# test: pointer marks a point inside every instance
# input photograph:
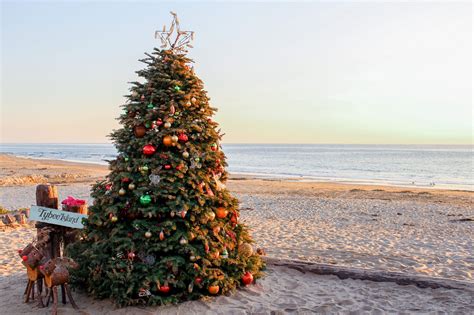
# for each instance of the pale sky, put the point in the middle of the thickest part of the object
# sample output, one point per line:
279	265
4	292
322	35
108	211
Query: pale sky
319	72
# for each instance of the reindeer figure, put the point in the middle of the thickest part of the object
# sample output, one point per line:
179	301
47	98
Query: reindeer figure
56	274
32	256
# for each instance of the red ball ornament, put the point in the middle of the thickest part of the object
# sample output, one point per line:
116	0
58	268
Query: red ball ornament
148	149
198	280
24	258
164	289
125	180
159	122
182	137
20	251
108	186
247	278
131	255
167	167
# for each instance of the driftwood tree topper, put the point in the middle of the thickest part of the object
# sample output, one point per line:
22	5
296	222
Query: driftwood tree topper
174	38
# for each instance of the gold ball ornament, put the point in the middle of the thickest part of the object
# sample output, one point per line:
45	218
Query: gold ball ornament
211	215
113	219
174	139
167	124
147	234
245	250
131	186
122	192
185	154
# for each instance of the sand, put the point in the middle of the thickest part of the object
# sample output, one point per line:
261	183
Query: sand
283	290
24	171
414	231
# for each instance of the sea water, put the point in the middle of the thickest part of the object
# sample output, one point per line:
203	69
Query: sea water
437	166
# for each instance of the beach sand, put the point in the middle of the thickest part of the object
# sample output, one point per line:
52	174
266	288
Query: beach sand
414	231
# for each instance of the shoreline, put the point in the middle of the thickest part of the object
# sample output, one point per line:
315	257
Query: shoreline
101	168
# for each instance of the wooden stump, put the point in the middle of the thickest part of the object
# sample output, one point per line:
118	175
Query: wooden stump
70	235
47	196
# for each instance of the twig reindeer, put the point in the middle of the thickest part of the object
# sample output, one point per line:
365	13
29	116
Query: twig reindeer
32	255
56	274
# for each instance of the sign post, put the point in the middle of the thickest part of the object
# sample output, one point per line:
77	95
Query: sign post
57	217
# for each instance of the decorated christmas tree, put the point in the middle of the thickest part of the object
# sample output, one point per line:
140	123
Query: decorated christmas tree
163	227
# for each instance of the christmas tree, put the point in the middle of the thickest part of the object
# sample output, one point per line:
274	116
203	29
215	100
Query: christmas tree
163	227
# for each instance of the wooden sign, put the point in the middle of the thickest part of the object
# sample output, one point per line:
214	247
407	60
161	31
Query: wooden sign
57	217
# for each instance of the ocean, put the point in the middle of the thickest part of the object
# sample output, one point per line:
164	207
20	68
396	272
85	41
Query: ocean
437	166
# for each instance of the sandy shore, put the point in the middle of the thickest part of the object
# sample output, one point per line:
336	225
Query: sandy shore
283	290
415	231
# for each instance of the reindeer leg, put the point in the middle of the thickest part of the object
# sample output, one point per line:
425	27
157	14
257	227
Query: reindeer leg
40	286
28	290
69	295
63	292
33	290
55	301
48	296
40	290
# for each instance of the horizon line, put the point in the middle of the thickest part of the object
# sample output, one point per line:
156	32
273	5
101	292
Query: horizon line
258	143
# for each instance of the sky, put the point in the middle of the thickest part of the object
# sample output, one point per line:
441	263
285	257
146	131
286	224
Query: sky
309	72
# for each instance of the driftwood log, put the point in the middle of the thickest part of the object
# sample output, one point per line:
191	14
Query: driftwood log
371	275
9	219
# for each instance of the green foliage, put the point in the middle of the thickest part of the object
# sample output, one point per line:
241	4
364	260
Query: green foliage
177	240
4	210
